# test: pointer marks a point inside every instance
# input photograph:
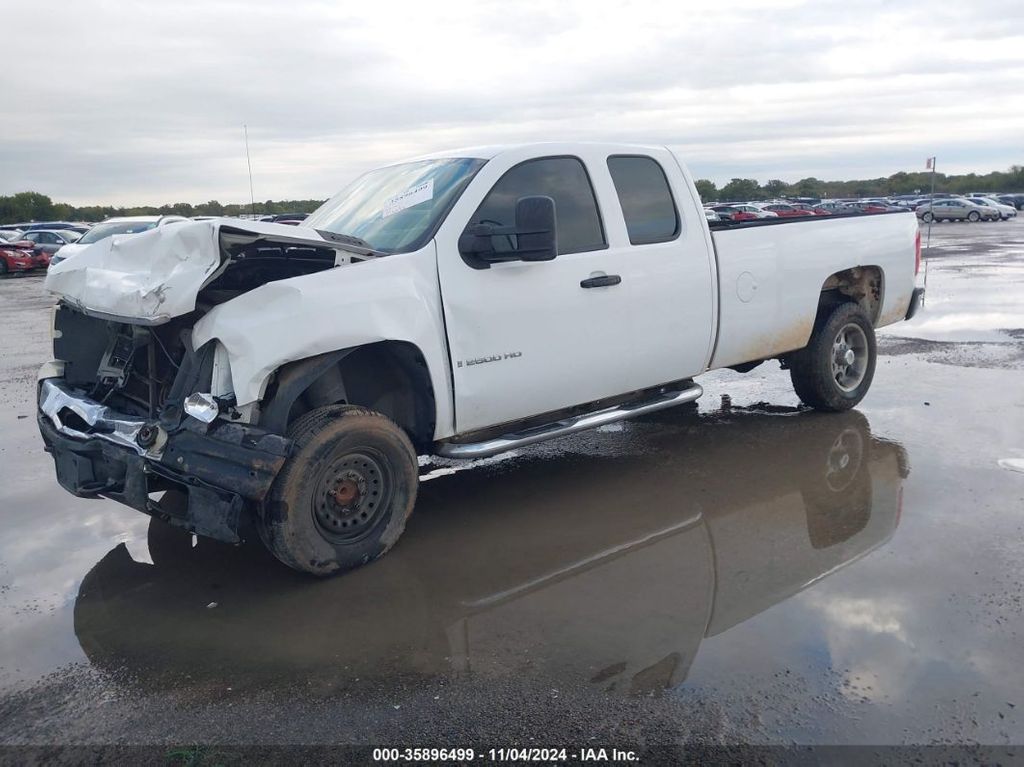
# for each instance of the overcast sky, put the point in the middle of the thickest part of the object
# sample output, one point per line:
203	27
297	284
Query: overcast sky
144	103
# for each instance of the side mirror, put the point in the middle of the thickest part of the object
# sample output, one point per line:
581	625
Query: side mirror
532	238
535	227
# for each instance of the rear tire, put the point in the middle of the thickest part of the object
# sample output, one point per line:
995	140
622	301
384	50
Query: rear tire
342	499
834	371
973	216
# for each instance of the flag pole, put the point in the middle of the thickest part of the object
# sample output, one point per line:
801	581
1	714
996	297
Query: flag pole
931	202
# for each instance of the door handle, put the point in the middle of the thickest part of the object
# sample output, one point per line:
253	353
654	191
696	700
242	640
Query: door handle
604	281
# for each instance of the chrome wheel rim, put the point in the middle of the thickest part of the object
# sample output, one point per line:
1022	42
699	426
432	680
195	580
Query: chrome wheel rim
849	357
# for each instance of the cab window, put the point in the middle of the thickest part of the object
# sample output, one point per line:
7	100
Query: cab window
565	180
646	199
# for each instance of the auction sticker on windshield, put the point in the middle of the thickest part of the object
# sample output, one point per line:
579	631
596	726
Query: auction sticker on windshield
407	199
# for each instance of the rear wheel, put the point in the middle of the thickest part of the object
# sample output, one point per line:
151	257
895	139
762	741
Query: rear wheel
344	496
834	371
973	215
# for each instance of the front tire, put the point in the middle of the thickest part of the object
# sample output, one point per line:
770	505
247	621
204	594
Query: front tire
834	371
973	216
928	218
343	497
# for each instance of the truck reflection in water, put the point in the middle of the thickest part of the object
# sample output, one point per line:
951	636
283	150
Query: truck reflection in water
601	569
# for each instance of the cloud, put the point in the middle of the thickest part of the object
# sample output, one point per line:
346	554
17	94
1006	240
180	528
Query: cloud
146	103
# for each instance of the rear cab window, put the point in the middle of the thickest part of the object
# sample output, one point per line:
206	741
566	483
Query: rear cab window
645	198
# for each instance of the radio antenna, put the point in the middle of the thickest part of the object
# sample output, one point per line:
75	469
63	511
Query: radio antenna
248	161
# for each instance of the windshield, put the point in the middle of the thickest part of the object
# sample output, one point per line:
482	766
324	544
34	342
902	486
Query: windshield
103	231
396	209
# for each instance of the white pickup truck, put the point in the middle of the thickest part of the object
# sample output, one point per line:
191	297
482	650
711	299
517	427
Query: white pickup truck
235	378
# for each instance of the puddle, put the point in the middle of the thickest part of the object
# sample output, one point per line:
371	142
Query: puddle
610	571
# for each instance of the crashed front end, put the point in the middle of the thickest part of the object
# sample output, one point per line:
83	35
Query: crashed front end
129	409
121	424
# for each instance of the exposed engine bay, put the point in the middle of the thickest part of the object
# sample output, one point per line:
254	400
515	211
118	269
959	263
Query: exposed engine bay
132	367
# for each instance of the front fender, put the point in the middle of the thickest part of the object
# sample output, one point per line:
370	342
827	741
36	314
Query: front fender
391	298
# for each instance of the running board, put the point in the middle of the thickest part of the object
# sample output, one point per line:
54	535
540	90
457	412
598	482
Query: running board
568	425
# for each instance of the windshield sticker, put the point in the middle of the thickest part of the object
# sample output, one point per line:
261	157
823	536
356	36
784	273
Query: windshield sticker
414	196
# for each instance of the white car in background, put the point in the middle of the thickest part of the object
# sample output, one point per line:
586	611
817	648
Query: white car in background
1006	212
750	208
111	227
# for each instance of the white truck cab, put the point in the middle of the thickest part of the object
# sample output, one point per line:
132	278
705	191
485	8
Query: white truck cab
285	378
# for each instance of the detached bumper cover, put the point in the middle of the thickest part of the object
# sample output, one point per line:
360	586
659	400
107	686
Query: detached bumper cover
220	468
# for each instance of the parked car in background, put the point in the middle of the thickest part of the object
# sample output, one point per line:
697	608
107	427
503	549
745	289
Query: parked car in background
11	235
814	210
868	207
30	226
51	240
711	215
112	226
289	218
733	213
21	256
1006	212
885	205
836	206
757	212
913	203
1016	200
783	209
956	210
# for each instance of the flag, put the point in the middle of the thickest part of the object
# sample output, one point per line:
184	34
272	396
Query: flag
929	164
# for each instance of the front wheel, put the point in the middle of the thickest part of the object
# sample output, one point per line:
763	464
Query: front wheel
973	216
928	218
343	497
834	371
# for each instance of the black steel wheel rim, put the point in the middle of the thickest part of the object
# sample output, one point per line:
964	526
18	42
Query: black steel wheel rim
351	495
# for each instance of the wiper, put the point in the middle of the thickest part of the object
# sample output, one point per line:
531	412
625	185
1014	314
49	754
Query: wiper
360	246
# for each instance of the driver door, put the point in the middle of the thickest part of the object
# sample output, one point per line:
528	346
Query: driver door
530	338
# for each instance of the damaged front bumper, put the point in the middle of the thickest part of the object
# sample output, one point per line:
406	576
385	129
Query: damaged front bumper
221	468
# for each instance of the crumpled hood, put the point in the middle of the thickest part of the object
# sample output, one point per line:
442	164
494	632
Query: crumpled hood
155	275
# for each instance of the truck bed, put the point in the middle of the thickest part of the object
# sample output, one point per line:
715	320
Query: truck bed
771	272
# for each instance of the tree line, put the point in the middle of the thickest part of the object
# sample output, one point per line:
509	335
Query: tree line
33	206
738	189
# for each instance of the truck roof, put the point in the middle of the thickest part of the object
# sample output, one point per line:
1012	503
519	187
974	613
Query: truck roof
487	152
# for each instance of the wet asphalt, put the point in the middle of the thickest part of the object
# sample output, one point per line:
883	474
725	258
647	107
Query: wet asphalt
743	572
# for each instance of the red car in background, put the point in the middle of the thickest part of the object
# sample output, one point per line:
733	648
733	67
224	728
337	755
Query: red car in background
733	214
784	209
871	207
22	256
812	209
